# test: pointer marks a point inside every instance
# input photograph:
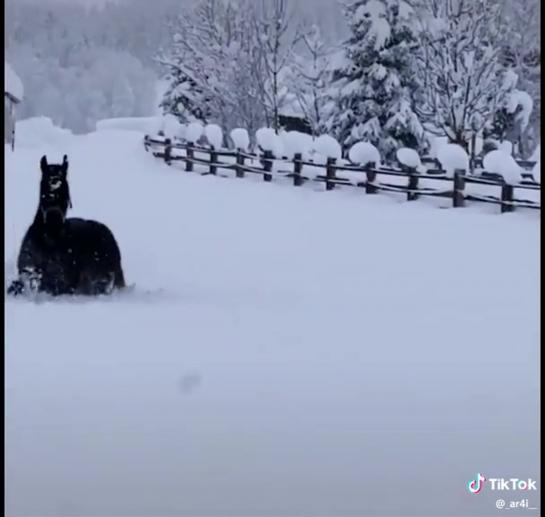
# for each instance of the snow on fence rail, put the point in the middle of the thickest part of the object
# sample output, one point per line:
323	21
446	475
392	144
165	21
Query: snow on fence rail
413	181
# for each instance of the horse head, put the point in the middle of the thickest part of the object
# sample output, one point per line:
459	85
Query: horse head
54	192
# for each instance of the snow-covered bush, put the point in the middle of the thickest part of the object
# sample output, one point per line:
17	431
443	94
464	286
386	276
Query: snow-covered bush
268	140
295	142
194	132
502	163
363	153
452	157
409	158
240	138
214	135
326	146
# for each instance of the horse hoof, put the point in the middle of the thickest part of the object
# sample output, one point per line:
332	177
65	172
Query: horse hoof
16	288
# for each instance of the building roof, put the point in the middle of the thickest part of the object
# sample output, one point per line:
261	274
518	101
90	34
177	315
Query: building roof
12	84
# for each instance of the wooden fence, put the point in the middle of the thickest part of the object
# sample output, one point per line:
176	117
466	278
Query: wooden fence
487	187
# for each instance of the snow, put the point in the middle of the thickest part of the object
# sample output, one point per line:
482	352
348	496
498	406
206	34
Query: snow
295	142
290	352
536	155
171	126
409	157
374	12
520	100
40	131
536	171
504	164
363	153
327	147
214	135
240	138
268	140
144	125
506	146
436	143
194	132
452	157
12	82
510	80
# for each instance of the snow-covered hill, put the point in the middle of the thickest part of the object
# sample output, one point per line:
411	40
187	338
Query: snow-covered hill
285	352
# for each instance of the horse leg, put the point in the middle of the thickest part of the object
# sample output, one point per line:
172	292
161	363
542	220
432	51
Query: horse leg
119	278
29	281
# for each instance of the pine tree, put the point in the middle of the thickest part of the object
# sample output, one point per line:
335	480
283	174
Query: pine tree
373	82
184	98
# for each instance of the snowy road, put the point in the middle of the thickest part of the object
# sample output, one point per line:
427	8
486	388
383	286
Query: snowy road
286	352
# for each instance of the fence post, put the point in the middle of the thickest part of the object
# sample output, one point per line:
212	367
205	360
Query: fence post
371	177
330	173
213	160
240	164
168	151
413	183
458	191
189	157
507	198
297	169
267	165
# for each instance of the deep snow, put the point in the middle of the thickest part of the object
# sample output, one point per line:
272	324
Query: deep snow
285	352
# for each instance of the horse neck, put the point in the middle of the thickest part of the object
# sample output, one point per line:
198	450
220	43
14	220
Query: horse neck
50	227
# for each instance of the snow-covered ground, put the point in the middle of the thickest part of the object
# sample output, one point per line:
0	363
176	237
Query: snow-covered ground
285	351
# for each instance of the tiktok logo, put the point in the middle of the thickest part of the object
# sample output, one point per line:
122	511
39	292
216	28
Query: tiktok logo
477	484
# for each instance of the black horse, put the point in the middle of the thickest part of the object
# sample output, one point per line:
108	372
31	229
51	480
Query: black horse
65	256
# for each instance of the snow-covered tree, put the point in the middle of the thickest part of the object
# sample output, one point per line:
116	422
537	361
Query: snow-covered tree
275	39
463	83
211	62
520	52
73	74
513	114
373	81
310	74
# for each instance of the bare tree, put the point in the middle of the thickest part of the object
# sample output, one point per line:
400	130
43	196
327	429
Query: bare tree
276	40
309	81
461	76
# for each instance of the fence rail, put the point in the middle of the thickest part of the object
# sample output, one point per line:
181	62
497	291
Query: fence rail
487	187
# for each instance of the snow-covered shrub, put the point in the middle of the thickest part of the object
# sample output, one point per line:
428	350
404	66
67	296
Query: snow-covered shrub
268	140
194	132
327	147
214	135
363	153
171	126
295	142
240	138
502	163
409	158
452	157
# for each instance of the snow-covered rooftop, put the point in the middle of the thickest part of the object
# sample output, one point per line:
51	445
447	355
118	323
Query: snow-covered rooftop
12	83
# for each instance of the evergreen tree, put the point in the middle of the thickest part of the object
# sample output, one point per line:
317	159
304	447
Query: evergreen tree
373	83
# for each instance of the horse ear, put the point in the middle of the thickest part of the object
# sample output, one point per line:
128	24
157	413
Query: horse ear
65	163
43	163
